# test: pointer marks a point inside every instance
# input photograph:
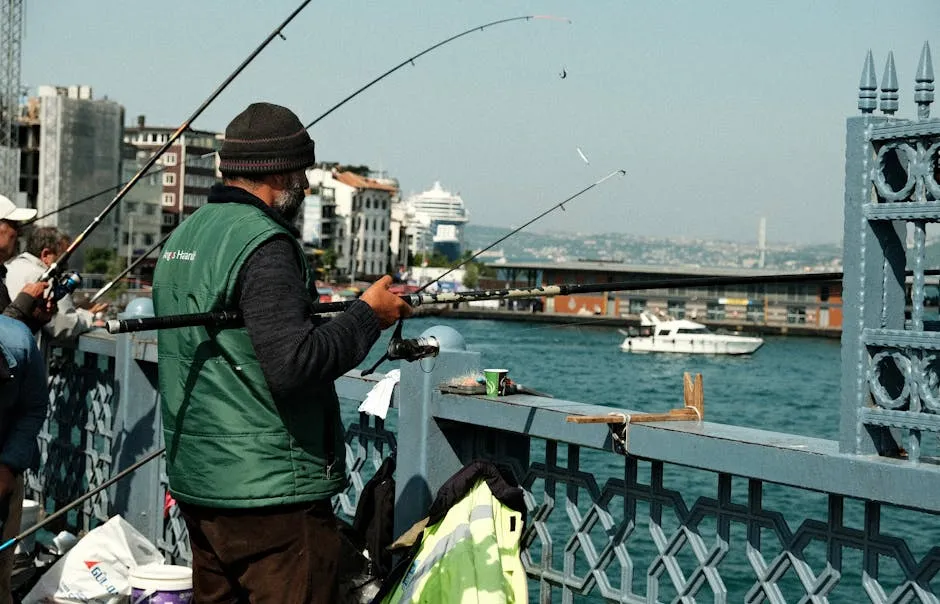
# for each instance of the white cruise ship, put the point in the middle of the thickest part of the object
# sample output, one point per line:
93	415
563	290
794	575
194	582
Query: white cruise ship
439	220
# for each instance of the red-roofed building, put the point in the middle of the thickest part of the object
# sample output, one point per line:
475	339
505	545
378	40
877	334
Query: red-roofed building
362	220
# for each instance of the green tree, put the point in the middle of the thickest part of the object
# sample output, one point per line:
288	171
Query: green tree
98	259
114	267
471	276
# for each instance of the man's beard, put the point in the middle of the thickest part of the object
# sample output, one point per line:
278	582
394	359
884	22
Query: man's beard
289	201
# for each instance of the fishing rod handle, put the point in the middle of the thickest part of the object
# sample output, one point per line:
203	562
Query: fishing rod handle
223	317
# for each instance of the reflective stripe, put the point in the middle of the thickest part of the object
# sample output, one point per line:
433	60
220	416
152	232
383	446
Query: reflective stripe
444	544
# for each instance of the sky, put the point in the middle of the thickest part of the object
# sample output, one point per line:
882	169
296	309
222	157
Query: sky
721	112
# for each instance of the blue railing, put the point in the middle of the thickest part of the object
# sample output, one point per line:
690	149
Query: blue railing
675	511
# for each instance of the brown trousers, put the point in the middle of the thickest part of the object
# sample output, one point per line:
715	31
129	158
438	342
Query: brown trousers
286	554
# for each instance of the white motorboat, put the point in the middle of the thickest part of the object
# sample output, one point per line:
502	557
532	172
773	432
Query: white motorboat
686	337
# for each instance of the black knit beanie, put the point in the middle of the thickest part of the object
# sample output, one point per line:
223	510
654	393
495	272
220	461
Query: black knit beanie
265	139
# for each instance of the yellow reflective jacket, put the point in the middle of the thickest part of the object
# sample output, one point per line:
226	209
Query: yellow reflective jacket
470	556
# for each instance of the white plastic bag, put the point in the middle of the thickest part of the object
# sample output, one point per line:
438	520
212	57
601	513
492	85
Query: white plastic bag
96	569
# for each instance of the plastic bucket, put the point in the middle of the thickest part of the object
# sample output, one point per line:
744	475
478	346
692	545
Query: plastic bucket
161	584
28	520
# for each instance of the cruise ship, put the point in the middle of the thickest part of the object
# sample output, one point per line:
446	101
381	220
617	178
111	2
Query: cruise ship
439	220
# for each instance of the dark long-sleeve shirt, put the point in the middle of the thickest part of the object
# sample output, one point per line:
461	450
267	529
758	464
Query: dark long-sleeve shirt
294	346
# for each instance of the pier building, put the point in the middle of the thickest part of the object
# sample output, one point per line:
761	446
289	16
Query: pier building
813	303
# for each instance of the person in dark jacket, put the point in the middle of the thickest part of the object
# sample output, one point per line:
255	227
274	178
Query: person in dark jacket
255	445
24	397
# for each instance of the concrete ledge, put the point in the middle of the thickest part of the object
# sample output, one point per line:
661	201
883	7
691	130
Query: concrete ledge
799	461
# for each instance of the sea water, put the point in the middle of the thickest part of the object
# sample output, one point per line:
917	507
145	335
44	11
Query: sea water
791	385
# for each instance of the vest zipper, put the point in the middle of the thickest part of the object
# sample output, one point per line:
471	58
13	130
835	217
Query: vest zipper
330	436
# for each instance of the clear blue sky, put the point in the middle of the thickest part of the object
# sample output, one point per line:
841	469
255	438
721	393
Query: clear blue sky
720	111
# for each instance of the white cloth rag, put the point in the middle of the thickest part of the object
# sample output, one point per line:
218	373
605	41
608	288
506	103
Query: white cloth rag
379	398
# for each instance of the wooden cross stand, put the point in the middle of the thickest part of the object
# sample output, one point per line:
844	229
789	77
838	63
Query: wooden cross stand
694	409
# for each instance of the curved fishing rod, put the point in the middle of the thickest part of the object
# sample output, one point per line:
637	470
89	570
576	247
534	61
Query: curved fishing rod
54	269
64	510
396	335
516	230
226	319
88	198
411	59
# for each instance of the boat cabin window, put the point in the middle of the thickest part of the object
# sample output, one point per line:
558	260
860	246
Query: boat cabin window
692	330
664	332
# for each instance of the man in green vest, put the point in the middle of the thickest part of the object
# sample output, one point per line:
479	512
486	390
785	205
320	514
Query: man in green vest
250	416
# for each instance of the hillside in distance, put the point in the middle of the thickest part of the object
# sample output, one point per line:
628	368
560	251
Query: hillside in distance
631	249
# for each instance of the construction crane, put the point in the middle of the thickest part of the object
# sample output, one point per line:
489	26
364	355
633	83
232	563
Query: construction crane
11	37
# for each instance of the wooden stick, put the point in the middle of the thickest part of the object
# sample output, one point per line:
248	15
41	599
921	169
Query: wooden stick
694	409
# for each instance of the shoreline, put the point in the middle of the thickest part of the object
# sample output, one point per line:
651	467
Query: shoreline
622	322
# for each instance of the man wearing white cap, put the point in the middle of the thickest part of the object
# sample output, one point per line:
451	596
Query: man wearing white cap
23	307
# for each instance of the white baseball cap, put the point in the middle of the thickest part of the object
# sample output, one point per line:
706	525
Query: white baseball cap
9	211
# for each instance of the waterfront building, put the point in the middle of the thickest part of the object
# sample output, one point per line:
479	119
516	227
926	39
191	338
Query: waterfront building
402	216
70	146
440	219
361	221
190	167
813	303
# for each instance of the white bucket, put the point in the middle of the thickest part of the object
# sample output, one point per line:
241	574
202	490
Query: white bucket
161	584
27	521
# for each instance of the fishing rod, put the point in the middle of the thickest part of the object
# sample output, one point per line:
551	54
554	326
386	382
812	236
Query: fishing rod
88	198
54	269
410	61
232	318
58	513
223	319
396	342
560	204
107	286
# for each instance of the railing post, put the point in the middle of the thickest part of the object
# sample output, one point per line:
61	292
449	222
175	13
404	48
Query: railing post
137	426
427	455
873	274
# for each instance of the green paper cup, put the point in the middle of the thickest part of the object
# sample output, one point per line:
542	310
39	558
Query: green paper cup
495	381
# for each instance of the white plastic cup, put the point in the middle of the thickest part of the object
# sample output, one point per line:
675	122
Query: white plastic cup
161	583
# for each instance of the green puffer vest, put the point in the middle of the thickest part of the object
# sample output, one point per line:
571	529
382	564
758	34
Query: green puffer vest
229	443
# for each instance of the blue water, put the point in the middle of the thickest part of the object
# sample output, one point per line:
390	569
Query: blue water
790	385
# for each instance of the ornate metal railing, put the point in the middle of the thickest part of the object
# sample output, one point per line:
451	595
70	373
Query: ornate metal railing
891	392
676	511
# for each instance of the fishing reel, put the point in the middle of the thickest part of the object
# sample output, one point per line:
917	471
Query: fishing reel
411	349
64	286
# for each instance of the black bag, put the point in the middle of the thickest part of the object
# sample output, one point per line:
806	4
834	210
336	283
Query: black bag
365	559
